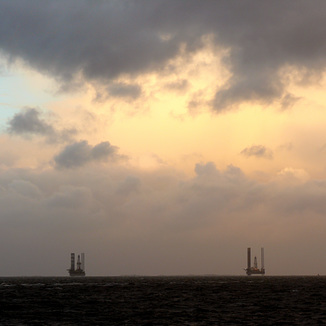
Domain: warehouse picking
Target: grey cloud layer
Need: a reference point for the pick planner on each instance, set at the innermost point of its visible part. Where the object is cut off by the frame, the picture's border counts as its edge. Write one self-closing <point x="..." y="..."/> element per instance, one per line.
<point x="103" y="40"/>
<point x="80" y="153"/>
<point x="156" y="223"/>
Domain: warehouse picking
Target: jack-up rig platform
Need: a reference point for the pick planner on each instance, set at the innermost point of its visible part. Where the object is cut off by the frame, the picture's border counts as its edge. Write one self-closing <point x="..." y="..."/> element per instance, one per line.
<point x="254" y="270"/>
<point x="80" y="270"/>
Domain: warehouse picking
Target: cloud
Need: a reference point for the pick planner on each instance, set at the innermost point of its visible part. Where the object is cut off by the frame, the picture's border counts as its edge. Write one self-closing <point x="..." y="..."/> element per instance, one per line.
<point x="289" y="100"/>
<point x="129" y="185"/>
<point x="157" y="222"/>
<point x="258" y="151"/>
<point x="205" y="169"/>
<point x="25" y="188"/>
<point x="102" y="41"/>
<point x="69" y="197"/>
<point x="118" y="90"/>
<point x="80" y="153"/>
<point x="124" y="90"/>
<point x="29" y="122"/>
<point x="286" y="147"/>
<point x="178" y="86"/>
<point x="292" y="175"/>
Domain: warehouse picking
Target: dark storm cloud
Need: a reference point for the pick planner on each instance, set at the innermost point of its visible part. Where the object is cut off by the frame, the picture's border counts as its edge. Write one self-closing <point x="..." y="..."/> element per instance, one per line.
<point x="30" y="122"/>
<point x="257" y="151"/>
<point x="80" y="153"/>
<point x="102" y="40"/>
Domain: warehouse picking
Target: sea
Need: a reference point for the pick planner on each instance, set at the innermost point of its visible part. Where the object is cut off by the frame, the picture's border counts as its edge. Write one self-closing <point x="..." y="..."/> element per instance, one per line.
<point x="162" y="300"/>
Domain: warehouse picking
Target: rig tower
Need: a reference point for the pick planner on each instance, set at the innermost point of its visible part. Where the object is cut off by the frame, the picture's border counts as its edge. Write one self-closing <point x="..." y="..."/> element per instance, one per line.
<point x="250" y="270"/>
<point x="80" y="270"/>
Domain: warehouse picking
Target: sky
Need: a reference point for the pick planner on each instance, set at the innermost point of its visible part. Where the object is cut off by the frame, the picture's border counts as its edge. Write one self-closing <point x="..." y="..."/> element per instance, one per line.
<point x="162" y="137"/>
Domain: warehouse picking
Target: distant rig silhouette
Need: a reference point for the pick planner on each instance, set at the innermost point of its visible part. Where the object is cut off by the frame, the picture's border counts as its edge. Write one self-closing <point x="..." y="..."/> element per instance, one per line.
<point x="254" y="270"/>
<point x="80" y="270"/>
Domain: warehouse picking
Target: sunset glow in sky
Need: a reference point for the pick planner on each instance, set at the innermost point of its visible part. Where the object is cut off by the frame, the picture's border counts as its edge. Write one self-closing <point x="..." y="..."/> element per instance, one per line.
<point x="162" y="137"/>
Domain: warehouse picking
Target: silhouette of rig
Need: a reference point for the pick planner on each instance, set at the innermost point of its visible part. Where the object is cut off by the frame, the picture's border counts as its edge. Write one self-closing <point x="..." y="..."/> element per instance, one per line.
<point x="80" y="270"/>
<point x="254" y="270"/>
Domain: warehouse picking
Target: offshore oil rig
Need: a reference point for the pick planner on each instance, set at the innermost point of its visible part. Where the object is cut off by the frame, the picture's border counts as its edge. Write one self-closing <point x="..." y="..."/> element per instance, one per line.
<point x="80" y="270"/>
<point x="250" y="270"/>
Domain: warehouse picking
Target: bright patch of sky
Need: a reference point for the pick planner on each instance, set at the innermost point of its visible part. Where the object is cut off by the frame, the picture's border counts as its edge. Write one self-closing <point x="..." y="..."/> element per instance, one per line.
<point x="20" y="88"/>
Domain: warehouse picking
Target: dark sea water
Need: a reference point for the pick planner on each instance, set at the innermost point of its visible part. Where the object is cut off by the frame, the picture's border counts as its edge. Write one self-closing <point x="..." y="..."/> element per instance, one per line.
<point x="207" y="300"/>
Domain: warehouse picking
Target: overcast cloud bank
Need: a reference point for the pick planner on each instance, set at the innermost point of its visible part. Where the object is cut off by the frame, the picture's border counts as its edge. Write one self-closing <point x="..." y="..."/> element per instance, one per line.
<point x="98" y="42"/>
<point x="121" y="211"/>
